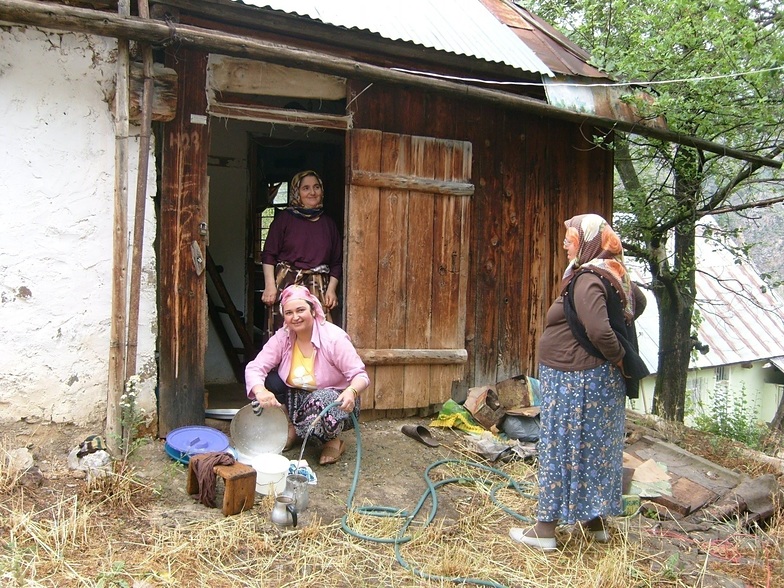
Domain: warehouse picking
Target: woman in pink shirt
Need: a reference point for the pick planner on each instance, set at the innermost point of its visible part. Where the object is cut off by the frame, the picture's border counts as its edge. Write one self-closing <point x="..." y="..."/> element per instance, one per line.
<point x="308" y="364"/>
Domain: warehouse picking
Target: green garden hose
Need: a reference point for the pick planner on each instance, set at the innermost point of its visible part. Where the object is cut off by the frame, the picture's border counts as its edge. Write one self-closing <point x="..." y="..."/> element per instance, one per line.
<point x="430" y="493"/>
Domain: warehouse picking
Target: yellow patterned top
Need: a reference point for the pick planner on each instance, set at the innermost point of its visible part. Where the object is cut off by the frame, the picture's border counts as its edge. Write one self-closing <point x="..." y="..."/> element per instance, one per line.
<point x="301" y="374"/>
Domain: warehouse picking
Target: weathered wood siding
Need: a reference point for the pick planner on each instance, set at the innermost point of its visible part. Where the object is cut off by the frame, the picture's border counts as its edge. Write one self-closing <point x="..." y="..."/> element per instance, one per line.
<point x="530" y="174"/>
<point x="182" y="304"/>
<point x="407" y="255"/>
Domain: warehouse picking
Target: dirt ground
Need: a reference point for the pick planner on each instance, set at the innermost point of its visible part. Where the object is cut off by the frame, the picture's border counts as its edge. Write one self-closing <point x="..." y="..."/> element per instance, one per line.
<point x="391" y="474"/>
<point x="392" y="468"/>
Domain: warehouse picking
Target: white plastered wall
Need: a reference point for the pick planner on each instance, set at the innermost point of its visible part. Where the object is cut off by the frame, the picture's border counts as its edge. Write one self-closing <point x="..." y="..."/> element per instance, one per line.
<point x="57" y="175"/>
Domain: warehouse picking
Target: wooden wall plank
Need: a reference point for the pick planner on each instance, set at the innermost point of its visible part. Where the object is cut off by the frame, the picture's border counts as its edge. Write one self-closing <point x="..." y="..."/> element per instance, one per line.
<point x="424" y="156"/>
<point x="539" y="242"/>
<point x="485" y="246"/>
<point x="393" y="252"/>
<point x="361" y="250"/>
<point x="514" y="265"/>
<point x="450" y="261"/>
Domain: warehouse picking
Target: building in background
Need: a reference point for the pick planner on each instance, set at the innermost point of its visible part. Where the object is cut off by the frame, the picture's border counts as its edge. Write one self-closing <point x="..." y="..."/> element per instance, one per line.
<point x="739" y="343"/>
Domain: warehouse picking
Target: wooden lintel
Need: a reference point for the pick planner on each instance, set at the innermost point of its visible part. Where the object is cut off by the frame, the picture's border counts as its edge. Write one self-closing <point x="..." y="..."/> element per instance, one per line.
<point x="279" y="115"/>
<point x="387" y="180"/>
<point x="413" y="356"/>
<point x="164" y="100"/>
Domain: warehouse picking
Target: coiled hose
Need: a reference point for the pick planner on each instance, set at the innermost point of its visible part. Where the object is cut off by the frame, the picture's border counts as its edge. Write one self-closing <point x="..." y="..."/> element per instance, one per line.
<point x="430" y="493"/>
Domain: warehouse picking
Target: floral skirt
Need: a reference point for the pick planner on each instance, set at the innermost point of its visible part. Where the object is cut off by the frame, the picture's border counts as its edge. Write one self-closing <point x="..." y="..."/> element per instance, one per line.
<point x="304" y="406"/>
<point x="581" y="443"/>
<point x="315" y="280"/>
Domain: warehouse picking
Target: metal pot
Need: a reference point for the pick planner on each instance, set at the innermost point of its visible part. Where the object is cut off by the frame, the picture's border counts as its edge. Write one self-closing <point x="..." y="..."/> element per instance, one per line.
<point x="283" y="512"/>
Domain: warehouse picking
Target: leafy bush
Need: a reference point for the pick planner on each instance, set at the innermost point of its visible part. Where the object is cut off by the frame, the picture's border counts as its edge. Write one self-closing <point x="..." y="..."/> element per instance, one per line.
<point x="731" y="417"/>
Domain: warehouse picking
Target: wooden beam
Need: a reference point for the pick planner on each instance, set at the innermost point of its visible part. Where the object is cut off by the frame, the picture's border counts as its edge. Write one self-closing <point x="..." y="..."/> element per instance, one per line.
<point x="280" y="115"/>
<point x="413" y="356"/>
<point x="399" y="182"/>
<point x="164" y="94"/>
<point x="59" y="17"/>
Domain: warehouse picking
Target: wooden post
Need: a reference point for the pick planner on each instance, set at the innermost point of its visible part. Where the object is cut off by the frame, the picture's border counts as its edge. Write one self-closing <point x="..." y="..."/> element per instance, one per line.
<point x="120" y="246"/>
<point x="141" y="197"/>
<point x="182" y="316"/>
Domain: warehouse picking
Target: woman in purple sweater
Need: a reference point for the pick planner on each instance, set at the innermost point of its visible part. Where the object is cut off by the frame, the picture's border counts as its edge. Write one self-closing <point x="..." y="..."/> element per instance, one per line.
<point x="303" y="246"/>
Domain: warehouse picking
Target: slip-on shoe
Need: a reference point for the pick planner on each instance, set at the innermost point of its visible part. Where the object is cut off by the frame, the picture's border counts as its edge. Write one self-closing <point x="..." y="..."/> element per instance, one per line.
<point x="542" y="543"/>
<point x="421" y="434"/>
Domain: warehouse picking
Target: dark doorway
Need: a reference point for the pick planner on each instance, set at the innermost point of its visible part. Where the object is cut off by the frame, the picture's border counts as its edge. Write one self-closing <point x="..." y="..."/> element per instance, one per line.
<point x="273" y="162"/>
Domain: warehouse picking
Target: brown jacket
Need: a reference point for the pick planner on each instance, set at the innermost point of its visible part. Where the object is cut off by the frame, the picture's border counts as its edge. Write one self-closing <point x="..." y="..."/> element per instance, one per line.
<point x="560" y="350"/>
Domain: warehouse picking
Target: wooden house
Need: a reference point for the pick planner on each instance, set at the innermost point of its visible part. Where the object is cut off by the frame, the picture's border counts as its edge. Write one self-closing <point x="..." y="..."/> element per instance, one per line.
<point x="453" y="139"/>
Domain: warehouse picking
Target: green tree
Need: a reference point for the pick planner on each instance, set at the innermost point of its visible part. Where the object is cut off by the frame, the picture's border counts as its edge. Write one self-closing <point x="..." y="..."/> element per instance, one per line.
<point x="714" y="69"/>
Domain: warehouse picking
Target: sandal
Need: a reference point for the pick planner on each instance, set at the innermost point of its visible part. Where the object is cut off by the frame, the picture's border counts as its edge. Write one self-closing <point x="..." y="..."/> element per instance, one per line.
<point x="331" y="454"/>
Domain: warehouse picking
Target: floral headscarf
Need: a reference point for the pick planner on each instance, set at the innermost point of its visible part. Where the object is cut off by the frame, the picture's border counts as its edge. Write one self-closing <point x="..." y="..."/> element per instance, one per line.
<point x="599" y="250"/>
<point x="296" y="292"/>
<point x="295" y="203"/>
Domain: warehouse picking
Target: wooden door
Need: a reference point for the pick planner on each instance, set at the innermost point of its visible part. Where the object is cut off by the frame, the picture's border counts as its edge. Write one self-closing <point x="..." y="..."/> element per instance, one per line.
<point x="407" y="248"/>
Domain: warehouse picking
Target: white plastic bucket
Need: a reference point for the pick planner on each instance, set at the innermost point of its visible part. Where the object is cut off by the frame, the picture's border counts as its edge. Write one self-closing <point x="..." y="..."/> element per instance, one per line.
<point x="271" y="471"/>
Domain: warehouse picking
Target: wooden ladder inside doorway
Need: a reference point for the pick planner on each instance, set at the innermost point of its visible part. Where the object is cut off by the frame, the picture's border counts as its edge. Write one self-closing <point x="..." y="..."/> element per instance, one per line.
<point x="237" y="356"/>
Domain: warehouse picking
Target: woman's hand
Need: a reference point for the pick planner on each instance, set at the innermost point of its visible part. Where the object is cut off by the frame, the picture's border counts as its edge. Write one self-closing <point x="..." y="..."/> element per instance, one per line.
<point x="348" y="399"/>
<point x="330" y="300"/>
<point x="264" y="397"/>
<point x="269" y="295"/>
<point x="619" y="365"/>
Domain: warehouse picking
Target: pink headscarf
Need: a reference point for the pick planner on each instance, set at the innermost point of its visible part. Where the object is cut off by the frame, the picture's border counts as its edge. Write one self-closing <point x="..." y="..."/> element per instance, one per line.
<point x="295" y="292"/>
<point x="599" y="249"/>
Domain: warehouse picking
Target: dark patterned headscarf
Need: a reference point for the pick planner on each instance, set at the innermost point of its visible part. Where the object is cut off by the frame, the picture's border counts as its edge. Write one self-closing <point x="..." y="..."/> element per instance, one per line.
<point x="295" y="202"/>
<point x="599" y="250"/>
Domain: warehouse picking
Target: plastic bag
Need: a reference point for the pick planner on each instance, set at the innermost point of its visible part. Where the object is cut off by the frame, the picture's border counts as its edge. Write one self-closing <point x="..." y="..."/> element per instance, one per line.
<point x="522" y="428"/>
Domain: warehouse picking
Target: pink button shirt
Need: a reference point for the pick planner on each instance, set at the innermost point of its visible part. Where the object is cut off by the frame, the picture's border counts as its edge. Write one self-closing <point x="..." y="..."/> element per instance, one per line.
<point x="336" y="363"/>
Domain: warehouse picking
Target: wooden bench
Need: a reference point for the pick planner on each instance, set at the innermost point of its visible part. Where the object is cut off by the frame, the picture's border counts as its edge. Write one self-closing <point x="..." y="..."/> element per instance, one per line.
<point x="239" y="485"/>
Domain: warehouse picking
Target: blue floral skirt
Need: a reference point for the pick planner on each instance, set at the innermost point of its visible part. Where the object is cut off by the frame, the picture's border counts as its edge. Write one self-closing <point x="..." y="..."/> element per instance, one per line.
<point x="581" y="443"/>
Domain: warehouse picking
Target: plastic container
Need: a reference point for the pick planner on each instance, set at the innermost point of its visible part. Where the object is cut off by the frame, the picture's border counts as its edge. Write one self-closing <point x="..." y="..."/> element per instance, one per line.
<point x="186" y="441"/>
<point x="271" y="471"/>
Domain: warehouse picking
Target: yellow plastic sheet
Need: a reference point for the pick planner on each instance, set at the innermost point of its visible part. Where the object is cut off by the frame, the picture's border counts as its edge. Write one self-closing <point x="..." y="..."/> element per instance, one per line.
<point x="454" y="416"/>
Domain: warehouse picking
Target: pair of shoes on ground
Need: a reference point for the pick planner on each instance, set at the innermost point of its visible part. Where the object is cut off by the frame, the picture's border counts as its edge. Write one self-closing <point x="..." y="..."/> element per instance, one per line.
<point x="331" y="454"/>
<point x="548" y="543"/>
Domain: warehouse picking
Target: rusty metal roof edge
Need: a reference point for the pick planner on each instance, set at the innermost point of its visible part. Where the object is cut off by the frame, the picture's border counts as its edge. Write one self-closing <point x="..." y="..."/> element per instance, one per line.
<point x="602" y="99"/>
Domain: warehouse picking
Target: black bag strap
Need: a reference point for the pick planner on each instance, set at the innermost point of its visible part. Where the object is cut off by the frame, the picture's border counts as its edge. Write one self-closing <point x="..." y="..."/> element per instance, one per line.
<point x="633" y="366"/>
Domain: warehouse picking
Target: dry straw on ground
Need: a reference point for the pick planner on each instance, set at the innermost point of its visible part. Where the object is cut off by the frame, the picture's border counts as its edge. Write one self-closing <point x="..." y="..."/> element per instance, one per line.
<point x="99" y="535"/>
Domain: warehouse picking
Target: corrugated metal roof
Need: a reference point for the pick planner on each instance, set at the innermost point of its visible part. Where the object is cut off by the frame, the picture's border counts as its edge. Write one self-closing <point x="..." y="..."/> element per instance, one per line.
<point x="462" y="27"/>
<point x="560" y="54"/>
<point x="742" y="319"/>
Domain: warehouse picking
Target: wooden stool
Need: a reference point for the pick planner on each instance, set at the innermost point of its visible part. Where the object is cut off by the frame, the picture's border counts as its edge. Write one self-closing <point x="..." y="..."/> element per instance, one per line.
<point x="239" y="485"/>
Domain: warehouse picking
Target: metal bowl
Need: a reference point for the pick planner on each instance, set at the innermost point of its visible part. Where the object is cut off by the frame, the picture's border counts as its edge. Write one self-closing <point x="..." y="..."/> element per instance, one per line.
<point x="253" y="435"/>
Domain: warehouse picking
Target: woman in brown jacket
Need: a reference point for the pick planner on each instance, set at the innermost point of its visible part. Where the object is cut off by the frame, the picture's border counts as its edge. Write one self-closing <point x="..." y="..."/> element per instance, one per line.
<point x="586" y="353"/>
